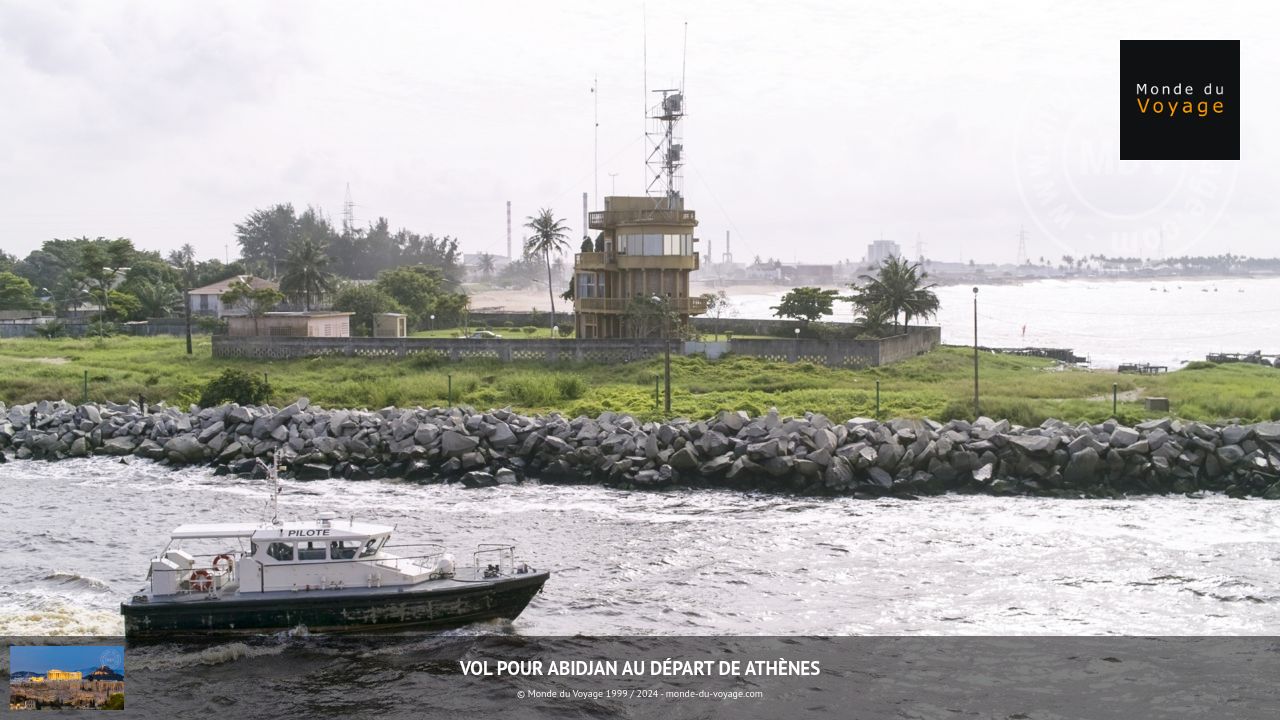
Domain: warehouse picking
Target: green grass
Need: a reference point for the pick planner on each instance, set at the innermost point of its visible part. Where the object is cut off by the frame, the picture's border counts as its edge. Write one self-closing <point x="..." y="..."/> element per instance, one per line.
<point x="937" y="385"/>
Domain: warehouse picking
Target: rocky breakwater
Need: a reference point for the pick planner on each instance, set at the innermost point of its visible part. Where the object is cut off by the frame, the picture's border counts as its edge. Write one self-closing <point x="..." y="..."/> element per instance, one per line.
<point x="809" y="454"/>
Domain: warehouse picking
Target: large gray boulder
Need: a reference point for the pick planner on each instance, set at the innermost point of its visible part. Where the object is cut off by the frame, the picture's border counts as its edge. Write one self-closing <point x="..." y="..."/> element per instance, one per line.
<point x="184" y="448"/>
<point x="454" y="443"/>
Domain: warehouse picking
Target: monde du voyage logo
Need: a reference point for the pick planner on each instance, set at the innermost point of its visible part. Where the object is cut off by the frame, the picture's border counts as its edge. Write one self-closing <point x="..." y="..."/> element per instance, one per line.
<point x="1179" y="99"/>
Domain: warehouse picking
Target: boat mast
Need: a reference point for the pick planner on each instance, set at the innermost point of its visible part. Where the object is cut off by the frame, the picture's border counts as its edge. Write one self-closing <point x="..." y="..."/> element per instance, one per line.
<point x="274" y="475"/>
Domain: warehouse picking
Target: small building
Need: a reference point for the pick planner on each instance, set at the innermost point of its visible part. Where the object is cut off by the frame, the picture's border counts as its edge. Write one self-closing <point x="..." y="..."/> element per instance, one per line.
<point x="62" y="675"/>
<point x="394" y="325"/>
<point x="207" y="300"/>
<point x="292" y="324"/>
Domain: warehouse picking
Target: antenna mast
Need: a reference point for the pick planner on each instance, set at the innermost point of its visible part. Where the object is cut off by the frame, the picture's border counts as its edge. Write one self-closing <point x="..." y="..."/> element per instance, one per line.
<point x="1022" y="246"/>
<point x="595" y="96"/>
<point x="348" y="213"/>
<point x="666" y="144"/>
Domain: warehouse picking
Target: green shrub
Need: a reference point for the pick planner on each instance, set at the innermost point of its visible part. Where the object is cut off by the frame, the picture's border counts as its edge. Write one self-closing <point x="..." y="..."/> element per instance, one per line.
<point x="236" y="386"/>
<point x="50" y="330"/>
<point x="211" y="325"/>
<point x="570" y="387"/>
<point x="101" y="328"/>
<point x="1200" y="365"/>
<point x="528" y="330"/>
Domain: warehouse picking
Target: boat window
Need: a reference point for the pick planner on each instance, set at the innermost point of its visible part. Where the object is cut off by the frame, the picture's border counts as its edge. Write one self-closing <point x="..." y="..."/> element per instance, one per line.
<point x="311" y="552"/>
<point x="343" y="549"/>
<point x="280" y="551"/>
<point x="371" y="547"/>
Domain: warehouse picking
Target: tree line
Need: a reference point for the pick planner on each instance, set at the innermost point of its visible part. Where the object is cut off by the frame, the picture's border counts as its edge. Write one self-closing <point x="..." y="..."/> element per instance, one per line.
<point x="898" y="290"/>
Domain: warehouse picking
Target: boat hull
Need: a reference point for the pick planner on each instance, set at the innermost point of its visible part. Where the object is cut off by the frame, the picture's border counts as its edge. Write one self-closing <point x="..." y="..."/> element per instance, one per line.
<point x="432" y="606"/>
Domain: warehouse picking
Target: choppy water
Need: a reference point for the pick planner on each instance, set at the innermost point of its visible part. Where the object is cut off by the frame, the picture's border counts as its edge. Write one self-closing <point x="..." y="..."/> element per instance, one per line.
<point x="78" y="534"/>
<point x="1163" y="322"/>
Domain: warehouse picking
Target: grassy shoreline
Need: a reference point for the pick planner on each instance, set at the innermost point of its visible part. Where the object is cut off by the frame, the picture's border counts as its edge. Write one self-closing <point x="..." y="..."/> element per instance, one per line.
<point x="937" y="385"/>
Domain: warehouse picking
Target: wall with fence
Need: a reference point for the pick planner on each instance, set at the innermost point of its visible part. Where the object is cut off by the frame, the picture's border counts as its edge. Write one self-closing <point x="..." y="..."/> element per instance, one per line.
<point x="836" y="353"/>
<point x="79" y="329"/>
<point x="280" y="348"/>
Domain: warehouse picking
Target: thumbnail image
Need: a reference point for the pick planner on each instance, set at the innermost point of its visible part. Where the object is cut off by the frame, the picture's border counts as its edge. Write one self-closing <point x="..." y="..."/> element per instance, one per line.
<point x="49" y="677"/>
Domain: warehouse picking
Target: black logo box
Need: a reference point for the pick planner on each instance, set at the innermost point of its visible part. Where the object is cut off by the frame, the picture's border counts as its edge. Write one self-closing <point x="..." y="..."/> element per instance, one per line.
<point x="1189" y="65"/>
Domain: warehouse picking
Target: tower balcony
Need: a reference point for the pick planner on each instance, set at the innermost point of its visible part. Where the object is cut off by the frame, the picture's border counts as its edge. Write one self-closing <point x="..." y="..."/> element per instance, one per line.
<point x="615" y="261"/>
<point x="680" y="305"/>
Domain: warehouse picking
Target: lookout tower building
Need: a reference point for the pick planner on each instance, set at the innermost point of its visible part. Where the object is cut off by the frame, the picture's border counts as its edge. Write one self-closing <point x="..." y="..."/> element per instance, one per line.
<point x="644" y="252"/>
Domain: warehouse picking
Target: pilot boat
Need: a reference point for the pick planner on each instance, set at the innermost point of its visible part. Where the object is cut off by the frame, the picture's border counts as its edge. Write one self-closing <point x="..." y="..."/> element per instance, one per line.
<point x="327" y="574"/>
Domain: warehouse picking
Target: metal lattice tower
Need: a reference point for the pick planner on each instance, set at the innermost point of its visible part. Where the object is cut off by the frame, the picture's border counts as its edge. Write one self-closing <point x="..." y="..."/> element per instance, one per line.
<point x="1022" y="246"/>
<point x="666" y="148"/>
<point x="348" y="213"/>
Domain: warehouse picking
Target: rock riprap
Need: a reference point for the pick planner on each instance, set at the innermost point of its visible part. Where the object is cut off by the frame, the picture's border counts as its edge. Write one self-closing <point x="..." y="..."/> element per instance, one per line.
<point x="810" y="454"/>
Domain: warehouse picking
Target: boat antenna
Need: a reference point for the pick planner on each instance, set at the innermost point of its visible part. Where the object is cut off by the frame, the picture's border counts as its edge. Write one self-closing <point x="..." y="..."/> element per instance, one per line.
<point x="273" y="473"/>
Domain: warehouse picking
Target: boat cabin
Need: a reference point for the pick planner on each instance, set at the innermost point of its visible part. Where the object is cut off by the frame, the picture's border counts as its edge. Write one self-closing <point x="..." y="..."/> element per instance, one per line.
<point x="320" y="554"/>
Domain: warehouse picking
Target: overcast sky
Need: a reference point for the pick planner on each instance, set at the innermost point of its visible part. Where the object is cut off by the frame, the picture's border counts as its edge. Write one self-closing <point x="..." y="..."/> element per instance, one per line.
<point x="813" y="127"/>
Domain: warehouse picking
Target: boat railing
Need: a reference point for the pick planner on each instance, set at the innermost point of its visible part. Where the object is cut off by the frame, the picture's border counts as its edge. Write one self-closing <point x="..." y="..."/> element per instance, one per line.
<point x="199" y="580"/>
<point x="494" y="555"/>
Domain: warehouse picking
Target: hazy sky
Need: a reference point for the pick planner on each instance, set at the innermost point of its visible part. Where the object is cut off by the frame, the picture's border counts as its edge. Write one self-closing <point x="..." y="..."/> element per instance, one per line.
<point x="813" y="127"/>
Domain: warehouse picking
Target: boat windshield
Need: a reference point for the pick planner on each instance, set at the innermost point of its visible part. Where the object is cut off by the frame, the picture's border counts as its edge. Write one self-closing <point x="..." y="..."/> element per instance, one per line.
<point x="372" y="546"/>
<point x="343" y="549"/>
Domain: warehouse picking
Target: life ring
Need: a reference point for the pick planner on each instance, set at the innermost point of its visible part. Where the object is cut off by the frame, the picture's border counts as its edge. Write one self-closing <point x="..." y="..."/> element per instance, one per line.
<point x="230" y="562"/>
<point x="201" y="581"/>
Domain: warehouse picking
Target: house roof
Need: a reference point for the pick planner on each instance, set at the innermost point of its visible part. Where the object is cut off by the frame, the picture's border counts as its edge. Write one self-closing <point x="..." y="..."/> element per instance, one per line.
<point x="222" y="286"/>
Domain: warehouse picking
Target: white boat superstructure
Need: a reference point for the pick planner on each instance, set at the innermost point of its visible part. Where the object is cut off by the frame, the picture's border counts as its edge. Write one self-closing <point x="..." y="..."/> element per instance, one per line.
<point x="324" y="553"/>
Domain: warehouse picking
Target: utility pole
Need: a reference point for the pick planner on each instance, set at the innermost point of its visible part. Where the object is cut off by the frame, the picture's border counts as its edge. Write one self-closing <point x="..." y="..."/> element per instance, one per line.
<point x="509" y="257"/>
<point x="187" y="308"/>
<point x="664" y="304"/>
<point x="976" y="412"/>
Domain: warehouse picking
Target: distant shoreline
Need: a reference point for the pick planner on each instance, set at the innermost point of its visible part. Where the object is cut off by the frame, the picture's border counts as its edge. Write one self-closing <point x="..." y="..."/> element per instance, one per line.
<point x="498" y="300"/>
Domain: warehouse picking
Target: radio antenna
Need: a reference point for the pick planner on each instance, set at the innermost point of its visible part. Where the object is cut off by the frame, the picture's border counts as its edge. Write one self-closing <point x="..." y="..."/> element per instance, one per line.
<point x="684" y="55"/>
<point x="644" y="66"/>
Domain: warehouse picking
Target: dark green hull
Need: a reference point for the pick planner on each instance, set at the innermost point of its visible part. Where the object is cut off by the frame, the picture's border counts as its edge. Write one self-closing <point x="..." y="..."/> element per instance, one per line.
<point x="437" y="605"/>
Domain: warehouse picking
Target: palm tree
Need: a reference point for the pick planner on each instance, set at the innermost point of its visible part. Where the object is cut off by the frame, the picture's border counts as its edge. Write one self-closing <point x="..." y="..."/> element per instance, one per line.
<point x="182" y="257"/>
<point x="159" y="300"/>
<point x="896" y="290"/>
<point x="486" y="264"/>
<point x="549" y="235"/>
<point x="306" y="273"/>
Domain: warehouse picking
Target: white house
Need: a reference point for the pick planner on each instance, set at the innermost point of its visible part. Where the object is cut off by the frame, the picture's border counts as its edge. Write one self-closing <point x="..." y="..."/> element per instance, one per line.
<point x="207" y="300"/>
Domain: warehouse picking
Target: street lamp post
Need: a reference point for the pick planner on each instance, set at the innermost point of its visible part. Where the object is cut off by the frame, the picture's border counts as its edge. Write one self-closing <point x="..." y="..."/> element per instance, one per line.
<point x="433" y="323"/>
<point x="976" y="412"/>
<point x="796" y="347"/>
<point x="666" y="353"/>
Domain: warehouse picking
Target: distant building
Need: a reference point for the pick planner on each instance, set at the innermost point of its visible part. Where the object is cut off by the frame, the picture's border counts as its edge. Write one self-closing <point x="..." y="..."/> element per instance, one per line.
<point x="880" y="250"/>
<point x="809" y="274"/>
<point x="472" y="262"/>
<point x="62" y="675"/>
<point x="390" y="325"/>
<point x="646" y="252"/>
<point x="292" y="324"/>
<point x="770" y="270"/>
<point x="207" y="300"/>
